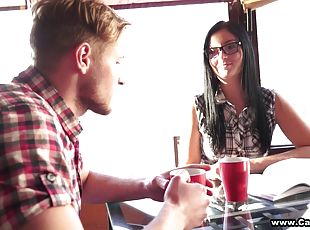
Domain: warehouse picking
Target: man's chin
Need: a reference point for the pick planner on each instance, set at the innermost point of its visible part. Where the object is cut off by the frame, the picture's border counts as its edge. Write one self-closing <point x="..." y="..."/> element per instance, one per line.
<point x="104" y="111"/>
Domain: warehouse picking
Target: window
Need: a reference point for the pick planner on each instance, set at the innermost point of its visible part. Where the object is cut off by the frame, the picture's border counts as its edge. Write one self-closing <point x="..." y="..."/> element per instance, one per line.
<point x="284" y="54"/>
<point x="164" y="71"/>
<point x="14" y="43"/>
<point x="13" y="4"/>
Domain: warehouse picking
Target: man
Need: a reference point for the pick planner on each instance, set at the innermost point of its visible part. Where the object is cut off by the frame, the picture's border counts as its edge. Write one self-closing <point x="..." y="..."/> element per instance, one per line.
<point x="76" y="46"/>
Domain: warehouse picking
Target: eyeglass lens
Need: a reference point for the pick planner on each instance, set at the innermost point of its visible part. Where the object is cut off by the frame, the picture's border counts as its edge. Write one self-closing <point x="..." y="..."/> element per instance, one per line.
<point x="228" y="49"/>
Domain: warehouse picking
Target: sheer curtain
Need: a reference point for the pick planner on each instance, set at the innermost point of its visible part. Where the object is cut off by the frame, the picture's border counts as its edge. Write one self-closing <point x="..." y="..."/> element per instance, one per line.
<point x="283" y="39"/>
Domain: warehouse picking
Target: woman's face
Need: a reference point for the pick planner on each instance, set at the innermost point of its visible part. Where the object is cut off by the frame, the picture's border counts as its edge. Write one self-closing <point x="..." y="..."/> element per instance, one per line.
<point x="225" y="56"/>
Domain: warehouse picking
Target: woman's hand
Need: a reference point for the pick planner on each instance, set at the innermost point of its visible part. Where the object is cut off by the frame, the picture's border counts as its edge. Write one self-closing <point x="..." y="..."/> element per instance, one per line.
<point x="218" y="190"/>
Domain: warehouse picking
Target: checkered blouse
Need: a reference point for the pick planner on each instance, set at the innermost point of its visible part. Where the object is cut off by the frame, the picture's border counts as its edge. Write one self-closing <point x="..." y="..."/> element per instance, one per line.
<point x="240" y="140"/>
<point x="40" y="162"/>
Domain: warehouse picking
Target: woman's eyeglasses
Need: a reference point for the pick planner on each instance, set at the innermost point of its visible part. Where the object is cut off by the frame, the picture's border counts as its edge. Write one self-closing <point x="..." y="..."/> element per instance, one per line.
<point x="228" y="49"/>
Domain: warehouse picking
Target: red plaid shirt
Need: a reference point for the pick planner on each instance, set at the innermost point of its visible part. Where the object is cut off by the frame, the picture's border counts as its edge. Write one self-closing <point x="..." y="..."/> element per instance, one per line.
<point x="40" y="163"/>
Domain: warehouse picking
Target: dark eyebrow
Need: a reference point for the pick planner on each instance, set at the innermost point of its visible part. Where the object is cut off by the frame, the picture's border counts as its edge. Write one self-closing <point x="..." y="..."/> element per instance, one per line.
<point x="224" y="44"/>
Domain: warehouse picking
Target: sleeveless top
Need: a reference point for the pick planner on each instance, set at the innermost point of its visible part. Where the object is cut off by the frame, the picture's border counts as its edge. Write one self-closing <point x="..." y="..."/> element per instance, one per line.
<point x="240" y="139"/>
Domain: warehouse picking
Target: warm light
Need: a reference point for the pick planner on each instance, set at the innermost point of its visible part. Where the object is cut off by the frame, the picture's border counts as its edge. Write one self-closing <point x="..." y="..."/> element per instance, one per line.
<point x="253" y="4"/>
<point x="9" y="3"/>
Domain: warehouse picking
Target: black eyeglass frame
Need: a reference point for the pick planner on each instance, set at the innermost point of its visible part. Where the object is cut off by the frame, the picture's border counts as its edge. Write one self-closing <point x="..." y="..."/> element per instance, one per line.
<point x="222" y="48"/>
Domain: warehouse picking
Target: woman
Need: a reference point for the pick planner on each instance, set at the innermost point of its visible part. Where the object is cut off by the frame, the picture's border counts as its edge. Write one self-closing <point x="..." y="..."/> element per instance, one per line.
<point x="235" y="115"/>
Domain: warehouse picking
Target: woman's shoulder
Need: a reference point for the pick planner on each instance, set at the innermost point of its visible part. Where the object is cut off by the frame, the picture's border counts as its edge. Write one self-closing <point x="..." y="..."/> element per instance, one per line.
<point x="266" y="92"/>
<point x="199" y="96"/>
<point x="269" y="98"/>
<point x="199" y="99"/>
<point x="199" y="102"/>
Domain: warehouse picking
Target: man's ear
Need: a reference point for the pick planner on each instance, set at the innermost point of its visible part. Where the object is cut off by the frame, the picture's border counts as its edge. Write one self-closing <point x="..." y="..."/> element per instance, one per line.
<point x="82" y="56"/>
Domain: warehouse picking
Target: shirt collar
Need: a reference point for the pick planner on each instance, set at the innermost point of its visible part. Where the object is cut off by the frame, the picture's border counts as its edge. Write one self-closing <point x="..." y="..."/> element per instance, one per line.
<point x="34" y="80"/>
<point x="219" y="96"/>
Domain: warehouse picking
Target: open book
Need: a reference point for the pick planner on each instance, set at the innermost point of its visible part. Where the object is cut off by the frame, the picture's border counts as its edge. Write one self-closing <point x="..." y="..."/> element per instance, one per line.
<point x="282" y="181"/>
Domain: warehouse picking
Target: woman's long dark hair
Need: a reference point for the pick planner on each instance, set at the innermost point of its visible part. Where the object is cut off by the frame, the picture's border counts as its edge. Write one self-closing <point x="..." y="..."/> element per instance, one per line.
<point x="250" y="84"/>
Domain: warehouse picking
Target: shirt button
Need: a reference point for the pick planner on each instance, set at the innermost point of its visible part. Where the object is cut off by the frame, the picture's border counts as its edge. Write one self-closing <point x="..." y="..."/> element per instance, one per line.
<point x="51" y="177"/>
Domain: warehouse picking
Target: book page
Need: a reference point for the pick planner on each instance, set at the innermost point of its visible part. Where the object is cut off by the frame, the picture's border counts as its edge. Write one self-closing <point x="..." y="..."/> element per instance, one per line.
<point x="147" y="206"/>
<point x="260" y="187"/>
<point x="279" y="177"/>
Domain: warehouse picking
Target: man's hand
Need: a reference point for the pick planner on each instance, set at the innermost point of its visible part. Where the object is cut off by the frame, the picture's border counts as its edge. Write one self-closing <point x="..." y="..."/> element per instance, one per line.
<point x="157" y="186"/>
<point x="189" y="199"/>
